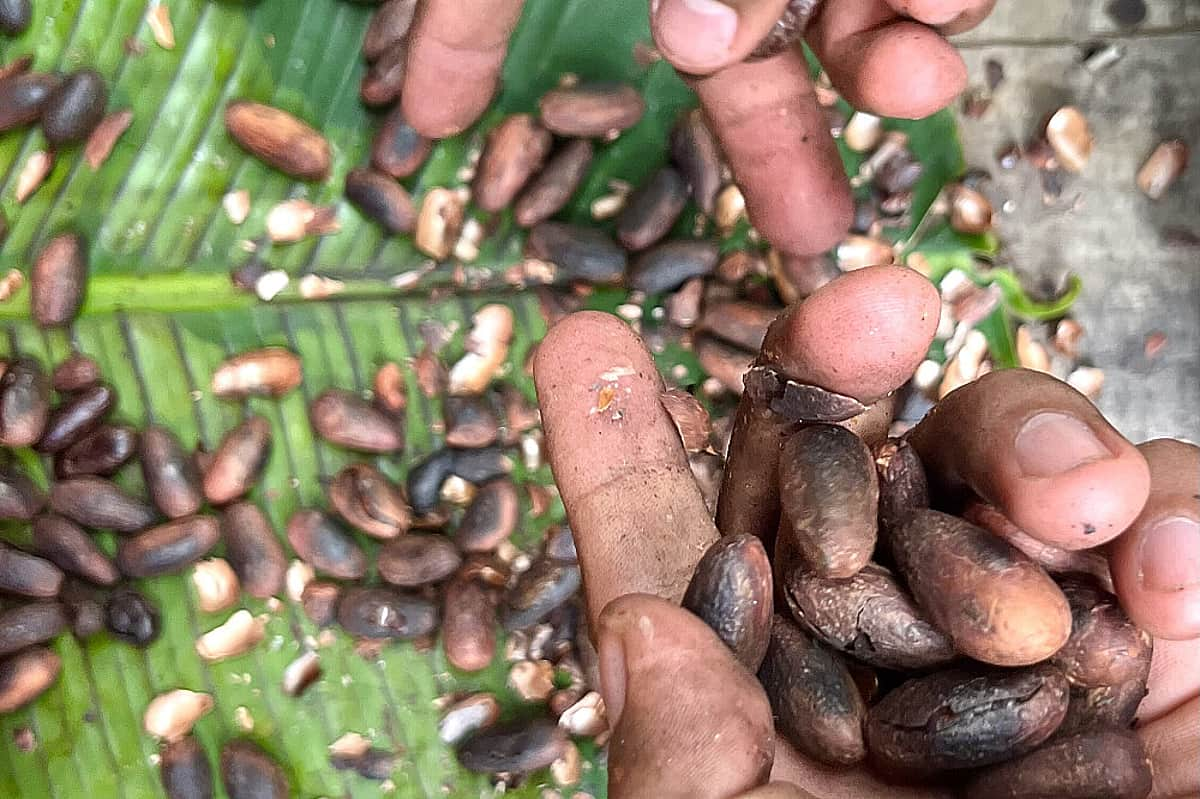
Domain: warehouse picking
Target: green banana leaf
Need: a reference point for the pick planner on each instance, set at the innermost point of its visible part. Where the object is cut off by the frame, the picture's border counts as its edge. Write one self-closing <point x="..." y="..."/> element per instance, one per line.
<point x="161" y="313"/>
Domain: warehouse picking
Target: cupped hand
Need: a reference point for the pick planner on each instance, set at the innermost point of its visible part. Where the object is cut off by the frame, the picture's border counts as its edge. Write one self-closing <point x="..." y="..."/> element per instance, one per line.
<point x="689" y="721"/>
<point x="888" y="57"/>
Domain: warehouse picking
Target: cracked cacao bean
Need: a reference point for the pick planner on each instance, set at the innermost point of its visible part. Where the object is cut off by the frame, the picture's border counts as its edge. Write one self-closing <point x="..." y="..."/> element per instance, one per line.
<point x="369" y="501"/>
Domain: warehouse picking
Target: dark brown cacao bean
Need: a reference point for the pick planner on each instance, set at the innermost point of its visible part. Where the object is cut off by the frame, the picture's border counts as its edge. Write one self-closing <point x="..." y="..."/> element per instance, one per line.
<point x="965" y="718"/>
<point x="591" y="110"/>
<point x="417" y="559"/>
<point x="62" y="542"/>
<point x="731" y="591"/>
<point x="470" y="422"/>
<point x="552" y="188"/>
<point x="102" y="451"/>
<point x="1106" y="764"/>
<point x="23" y="97"/>
<point x="398" y="150"/>
<point x="560" y="545"/>
<point x="580" y="253"/>
<point x="1105" y="647"/>
<point x="168" y="548"/>
<point x="24" y="403"/>
<point x="490" y="518"/>
<point x="171" y="475"/>
<point x="382" y="199"/>
<point x="996" y="604"/>
<point x="248" y="772"/>
<point x="99" y="503"/>
<point x="739" y="322"/>
<point x="57" y="281"/>
<point x="185" y="771"/>
<point x="368" y="500"/>
<point x="346" y="419"/>
<point x="652" y="210"/>
<point x="515" y="150"/>
<point x="20" y="497"/>
<point x="279" y="139"/>
<point x="238" y="461"/>
<point x="514" y="749"/>
<point x="830" y="495"/>
<point x="669" y="265"/>
<point x="480" y="465"/>
<point x="695" y="151"/>
<point x="384" y="613"/>
<point x="538" y="592"/>
<point x="75" y="108"/>
<point x="1105" y="706"/>
<point x="26" y="625"/>
<point x="15" y="16"/>
<point x="425" y="480"/>
<point x="868" y="616"/>
<point x="80" y="414"/>
<point x="385" y="78"/>
<point x="816" y="704"/>
<point x="25" y="676"/>
<point x="28" y="575"/>
<point x="321" y="542"/>
<point x="131" y="617"/>
<point x="903" y="487"/>
<point x="389" y="24"/>
<point x="468" y="626"/>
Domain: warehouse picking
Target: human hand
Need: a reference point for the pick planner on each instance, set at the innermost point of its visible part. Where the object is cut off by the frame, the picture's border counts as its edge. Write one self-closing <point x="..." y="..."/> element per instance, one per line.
<point x="884" y="56"/>
<point x="688" y="720"/>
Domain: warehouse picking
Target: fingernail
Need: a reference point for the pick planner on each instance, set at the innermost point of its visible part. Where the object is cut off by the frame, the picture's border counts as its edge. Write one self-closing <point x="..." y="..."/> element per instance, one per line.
<point x="1170" y="555"/>
<point x="611" y="653"/>
<point x="1052" y="443"/>
<point x="694" y="33"/>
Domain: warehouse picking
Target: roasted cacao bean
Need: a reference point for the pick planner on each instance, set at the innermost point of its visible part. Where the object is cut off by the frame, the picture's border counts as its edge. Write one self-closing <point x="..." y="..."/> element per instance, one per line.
<point x="418" y="559"/>
<point x="131" y="617"/>
<point x="374" y="764"/>
<point x="382" y="199"/>
<point x="731" y="591"/>
<point x="102" y="451"/>
<point x="996" y="604"/>
<point x="79" y="415"/>
<point x="248" y="772"/>
<point x="279" y="139"/>
<point x="398" y="150"/>
<point x="695" y="151"/>
<point x="468" y="626"/>
<point x="1105" y="647"/>
<point x="816" y="704"/>
<point x="903" y="487"/>
<point x="63" y="543"/>
<point x="480" y="465"/>
<point x="320" y="600"/>
<point x="514" y="749"/>
<point x="545" y="586"/>
<point x="470" y="422"/>
<point x="321" y="542"/>
<point x="343" y="418"/>
<point x="26" y="625"/>
<point x="268" y="372"/>
<point x="560" y="545"/>
<point x="25" y="676"/>
<point x="580" y="253"/>
<point x="384" y="613"/>
<point x="368" y="500"/>
<point x="425" y="480"/>
<point x="185" y="771"/>
<point x="669" y="265"/>
<point x="28" y="575"/>
<point x="23" y="97"/>
<point x="1105" y="706"/>
<point x="24" y="403"/>
<point x="15" y="16"/>
<point x="171" y="475"/>
<point x="898" y="173"/>
<point x="652" y="210"/>
<point x="20" y="497"/>
<point x="868" y="616"/>
<point x="724" y="363"/>
<point x="385" y="78"/>
<point x="515" y="150"/>
<point x="964" y="718"/>
<point x="1104" y="764"/>
<point x="74" y="374"/>
<point x="389" y="24"/>
<point x="238" y="461"/>
<point x="739" y="322"/>
<point x="830" y="498"/>
<point x="58" y="278"/>
<point x="591" y="110"/>
<point x="552" y="188"/>
<point x="490" y="518"/>
<point x="166" y="549"/>
<point x="98" y="503"/>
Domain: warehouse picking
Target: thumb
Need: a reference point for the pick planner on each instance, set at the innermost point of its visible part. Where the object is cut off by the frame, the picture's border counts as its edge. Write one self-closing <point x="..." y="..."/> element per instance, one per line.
<point x="702" y="36"/>
<point x="688" y="720"/>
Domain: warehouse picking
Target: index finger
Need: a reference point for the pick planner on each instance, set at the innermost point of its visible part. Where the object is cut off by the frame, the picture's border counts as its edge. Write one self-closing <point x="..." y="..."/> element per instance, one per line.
<point x="455" y="55"/>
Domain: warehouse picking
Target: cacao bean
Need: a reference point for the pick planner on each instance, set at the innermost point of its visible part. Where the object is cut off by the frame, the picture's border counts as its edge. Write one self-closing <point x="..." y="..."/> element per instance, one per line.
<point x="669" y="265"/>
<point x="320" y="600"/>
<point x="652" y="210"/>
<point x="739" y="322"/>
<point x="79" y="415"/>
<point x="468" y="626"/>
<point x="816" y="704"/>
<point x="382" y="199"/>
<point x="57" y="281"/>
<point x="26" y="625"/>
<point x="470" y="422"/>
<point x="515" y="150"/>
<point x="398" y="149"/>
<point x="238" y="461"/>
<point x="185" y="771"/>
<point x="996" y="604"/>
<point x="99" y="503"/>
<point x="20" y="497"/>
<point x="696" y="153"/>
<point x="514" y="749"/>
<point x="26" y="676"/>
<point x="580" y="253"/>
<point x="63" y="543"/>
<point x="1105" y="647"/>
<point x="267" y="372"/>
<point x="425" y="480"/>
<point x="279" y="139"/>
<point x="28" y="575"/>
<point x="369" y="501"/>
<point x="347" y="420"/>
<point x="247" y="772"/>
<point x="964" y="718"/>
<point x="171" y="475"/>
<point x="490" y="518"/>
<point x="1105" y="706"/>
<point x="102" y="451"/>
<point x="24" y="96"/>
<point x="319" y="541"/>
<point x="24" y="403"/>
<point x="15" y="16"/>
<point x="731" y="591"/>
<point x="552" y="188"/>
<point x="169" y="547"/>
<point x="389" y="24"/>
<point x="903" y="487"/>
<point x="384" y="613"/>
<point x="385" y="78"/>
<point x="538" y="592"/>
<point x="416" y="559"/>
<point x="131" y="617"/>
<point x="1105" y="764"/>
<point x="75" y="108"/>
<point x="478" y="466"/>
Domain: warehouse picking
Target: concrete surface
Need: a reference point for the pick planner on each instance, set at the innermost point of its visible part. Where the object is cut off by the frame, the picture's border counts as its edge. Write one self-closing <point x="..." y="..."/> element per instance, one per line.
<point x="1139" y="278"/>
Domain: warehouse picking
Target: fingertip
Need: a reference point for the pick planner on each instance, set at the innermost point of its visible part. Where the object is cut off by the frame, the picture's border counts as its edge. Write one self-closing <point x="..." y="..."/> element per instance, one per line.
<point x="904" y="70"/>
<point x="700" y="37"/>
<point x="434" y="114"/>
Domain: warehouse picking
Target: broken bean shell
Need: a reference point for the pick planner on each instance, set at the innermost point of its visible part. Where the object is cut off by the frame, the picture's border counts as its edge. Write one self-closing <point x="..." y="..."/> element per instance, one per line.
<point x="172" y="715"/>
<point x="240" y="633"/>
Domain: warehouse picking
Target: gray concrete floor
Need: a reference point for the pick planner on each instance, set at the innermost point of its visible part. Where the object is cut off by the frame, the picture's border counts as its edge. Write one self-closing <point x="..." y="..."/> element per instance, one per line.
<point x="1140" y="259"/>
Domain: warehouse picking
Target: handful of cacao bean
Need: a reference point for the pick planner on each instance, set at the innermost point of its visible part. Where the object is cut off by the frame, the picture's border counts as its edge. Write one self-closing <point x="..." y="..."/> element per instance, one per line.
<point x="919" y="644"/>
